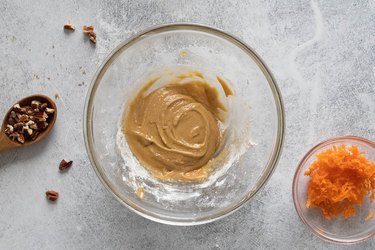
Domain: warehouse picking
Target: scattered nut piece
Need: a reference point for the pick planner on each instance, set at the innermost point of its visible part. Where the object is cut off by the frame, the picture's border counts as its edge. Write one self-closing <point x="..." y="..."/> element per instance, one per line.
<point x="69" y="26"/>
<point x="52" y="195"/>
<point x="92" y="34"/>
<point x="140" y="192"/>
<point x="65" y="165"/>
<point x="183" y="53"/>
<point x="92" y="39"/>
<point x="32" y="125"/>
<point x="42" y="124"/>
<point x="87" y="29"/>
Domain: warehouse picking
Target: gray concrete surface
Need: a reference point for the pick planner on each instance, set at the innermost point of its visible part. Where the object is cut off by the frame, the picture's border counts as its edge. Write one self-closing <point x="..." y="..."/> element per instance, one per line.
<point x="322" y="54"/>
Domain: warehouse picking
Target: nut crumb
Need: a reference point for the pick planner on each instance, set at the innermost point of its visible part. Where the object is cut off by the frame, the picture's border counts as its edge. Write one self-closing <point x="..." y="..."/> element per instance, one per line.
<point x="140" y="192"/>
<point x="69" y="26"/>
<point x="49" y="110"/>
<point x="183" y="53"/>
<point x="57" y="96"/>
<point x="89" y="30"/>
<point x="52" y="195"/>
<point x="65" y="165"/>
<point x="92" y="39"/>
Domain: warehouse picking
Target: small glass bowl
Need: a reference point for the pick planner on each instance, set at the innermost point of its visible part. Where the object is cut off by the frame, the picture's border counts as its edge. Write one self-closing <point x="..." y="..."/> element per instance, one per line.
<point x="337" y="230"/>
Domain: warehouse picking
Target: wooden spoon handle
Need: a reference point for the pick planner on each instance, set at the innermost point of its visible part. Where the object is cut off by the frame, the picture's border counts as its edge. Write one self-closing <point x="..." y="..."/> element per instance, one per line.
<point x="5" y="143"/>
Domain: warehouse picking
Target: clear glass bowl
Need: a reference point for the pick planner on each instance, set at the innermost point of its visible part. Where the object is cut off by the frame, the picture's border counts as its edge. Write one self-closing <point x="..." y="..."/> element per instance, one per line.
<point x="199" y="47"/>
<point x="338" y="230"/>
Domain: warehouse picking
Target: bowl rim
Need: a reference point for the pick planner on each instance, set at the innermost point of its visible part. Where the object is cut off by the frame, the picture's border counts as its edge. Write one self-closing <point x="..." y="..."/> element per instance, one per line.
<point x="295" y="195"/>
<point x="272" y="160"/>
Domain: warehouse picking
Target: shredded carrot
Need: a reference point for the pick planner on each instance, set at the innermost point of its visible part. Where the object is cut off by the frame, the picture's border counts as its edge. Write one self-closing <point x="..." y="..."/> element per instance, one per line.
<point x="341" y="179"/>
<point x="370" y="215"/>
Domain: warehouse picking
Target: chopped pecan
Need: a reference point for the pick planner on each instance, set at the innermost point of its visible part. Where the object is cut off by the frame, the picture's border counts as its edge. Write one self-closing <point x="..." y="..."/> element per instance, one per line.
<point x="69" y="26"/>
<point x="52" y="195"/>
<point x="65" y="165"/>
<point x="29" y="131"/>
<point x="50" y="111"/>
<point x="18" y="126"/>
<point x="92" y="39"/>
<point x="43" y="106"/>
<point x="35" y="104"/>
<point x="9" y="129"/>
<point x="14" y="136"/>
<point x="87" y="29"/>
<point x="21" y="138"/>
<point x="41" y="116"/>
<point x="92" y="34"/>
<point x="24" y="118"/>
<point x="42" y="124"/>
<point x="11" y="121"/>
<point x="34" y="135"/>
<point x="17" y="107"/>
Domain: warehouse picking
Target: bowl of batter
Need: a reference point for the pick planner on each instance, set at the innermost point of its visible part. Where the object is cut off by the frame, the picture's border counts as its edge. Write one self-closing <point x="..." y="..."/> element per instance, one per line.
<point x="183" y="123"/>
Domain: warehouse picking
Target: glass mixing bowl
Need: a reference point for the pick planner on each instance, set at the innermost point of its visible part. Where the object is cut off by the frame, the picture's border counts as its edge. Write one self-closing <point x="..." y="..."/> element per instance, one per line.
<point x="198" y="47"/>
<point x="338" y="230"/>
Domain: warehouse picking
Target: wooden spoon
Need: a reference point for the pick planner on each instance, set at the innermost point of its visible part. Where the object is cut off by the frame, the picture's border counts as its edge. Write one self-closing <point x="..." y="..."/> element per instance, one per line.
<point x="6" y="143"/>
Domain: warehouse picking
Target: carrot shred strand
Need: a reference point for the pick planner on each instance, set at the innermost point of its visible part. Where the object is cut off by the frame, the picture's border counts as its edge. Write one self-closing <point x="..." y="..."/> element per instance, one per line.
<point x="341" y="179"/>
<point x="370" y="215"/>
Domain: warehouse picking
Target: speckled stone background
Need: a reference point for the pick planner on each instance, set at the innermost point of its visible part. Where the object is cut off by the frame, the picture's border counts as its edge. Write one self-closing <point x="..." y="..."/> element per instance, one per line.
<point x="322" y="54"/>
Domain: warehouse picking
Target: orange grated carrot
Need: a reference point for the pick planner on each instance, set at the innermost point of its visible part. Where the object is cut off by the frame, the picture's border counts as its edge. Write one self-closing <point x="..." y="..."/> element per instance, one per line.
<point x="370" y="215"/>
<point x="341" y="179"/>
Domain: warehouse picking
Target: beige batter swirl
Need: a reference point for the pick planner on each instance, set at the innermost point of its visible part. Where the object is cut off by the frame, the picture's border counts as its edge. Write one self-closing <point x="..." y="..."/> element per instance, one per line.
<point x="174" y="130"/>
